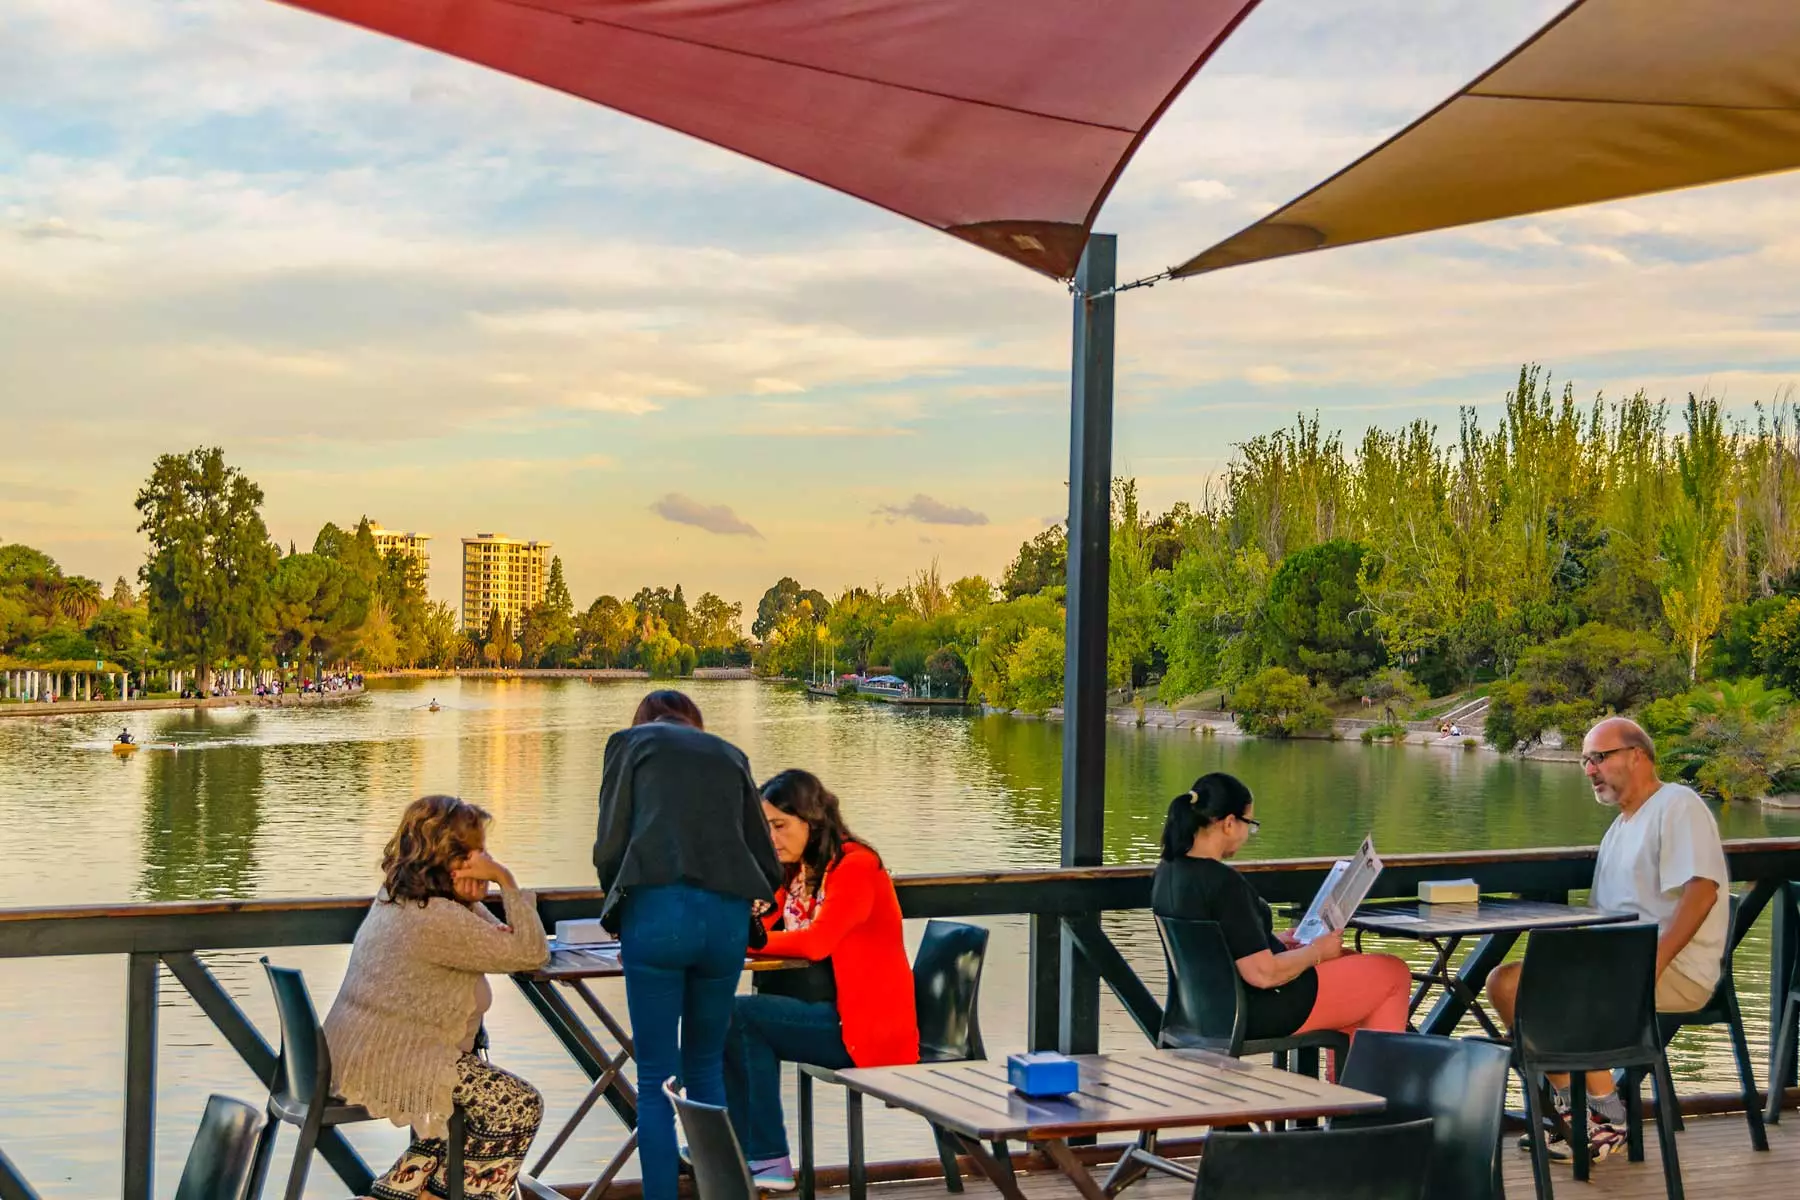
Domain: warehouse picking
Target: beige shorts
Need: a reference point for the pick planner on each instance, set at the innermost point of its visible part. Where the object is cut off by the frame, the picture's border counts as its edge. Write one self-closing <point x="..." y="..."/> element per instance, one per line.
<point x="1676" y="993"/>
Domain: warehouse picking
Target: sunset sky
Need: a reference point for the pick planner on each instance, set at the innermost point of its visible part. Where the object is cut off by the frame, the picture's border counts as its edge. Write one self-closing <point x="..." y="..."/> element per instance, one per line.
<point x="388" y="282"/>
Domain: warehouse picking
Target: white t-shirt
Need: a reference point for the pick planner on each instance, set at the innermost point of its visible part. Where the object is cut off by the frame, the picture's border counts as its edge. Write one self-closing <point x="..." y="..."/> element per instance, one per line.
<point x="1648" y="857"/>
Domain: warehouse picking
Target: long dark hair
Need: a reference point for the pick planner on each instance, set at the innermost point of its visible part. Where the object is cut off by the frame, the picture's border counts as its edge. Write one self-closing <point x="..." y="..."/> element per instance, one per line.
<point x="667" y="704"/>
<point x="435" y="833"/>
<point x="1212" y="798"/>
<point x="800" y="794"/>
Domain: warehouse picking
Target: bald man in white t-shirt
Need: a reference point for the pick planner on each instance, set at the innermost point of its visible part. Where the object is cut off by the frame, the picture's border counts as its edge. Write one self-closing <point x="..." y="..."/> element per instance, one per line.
<point x="1661" y="860"/>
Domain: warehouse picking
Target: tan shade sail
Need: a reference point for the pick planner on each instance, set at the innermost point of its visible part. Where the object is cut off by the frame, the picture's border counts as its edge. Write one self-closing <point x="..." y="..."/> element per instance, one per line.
<point x="1613" y="98"/>
<point x="1001" y="122"/>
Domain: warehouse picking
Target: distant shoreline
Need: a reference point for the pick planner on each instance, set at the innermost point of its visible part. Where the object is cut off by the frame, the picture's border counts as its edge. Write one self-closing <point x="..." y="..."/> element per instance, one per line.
<point x="63" y="708"/>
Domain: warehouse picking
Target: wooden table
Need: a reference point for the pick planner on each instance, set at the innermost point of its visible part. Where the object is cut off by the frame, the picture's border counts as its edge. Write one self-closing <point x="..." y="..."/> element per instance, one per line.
<point x="571" y="967"/>
<point x="1444" y="926"/>
<point x="1139" y="1091"/>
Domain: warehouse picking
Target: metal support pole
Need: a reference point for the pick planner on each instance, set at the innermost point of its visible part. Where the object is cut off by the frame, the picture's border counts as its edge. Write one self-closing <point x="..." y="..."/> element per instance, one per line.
<point x="1784" y="952"/>
<point x="140" y="1077"/>
<point x="1084" y="676"/>
<point x="1043" y="1020"/>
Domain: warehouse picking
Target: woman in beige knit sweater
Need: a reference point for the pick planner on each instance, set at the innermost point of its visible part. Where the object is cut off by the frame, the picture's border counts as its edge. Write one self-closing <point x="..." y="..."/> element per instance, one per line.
<point x="402" y="1031"/>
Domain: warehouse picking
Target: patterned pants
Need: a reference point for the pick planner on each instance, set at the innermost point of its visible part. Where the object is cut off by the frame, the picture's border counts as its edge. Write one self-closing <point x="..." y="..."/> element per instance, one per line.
<point x="502" y="1113"/>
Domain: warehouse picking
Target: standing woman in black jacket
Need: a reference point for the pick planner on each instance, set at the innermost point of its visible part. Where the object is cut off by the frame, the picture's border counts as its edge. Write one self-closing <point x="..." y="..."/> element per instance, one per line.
<point x="683" y="849"/>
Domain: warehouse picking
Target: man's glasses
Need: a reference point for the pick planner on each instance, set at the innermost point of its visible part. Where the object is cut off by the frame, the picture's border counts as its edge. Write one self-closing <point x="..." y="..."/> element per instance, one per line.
<point x="1595" y="758"/>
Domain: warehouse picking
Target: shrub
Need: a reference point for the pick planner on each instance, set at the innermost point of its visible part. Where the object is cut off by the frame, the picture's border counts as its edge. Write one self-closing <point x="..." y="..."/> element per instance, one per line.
<point x="1736" y="741"/>
<point x="1391" y="730"/>
<point x="1278" y="703"/>
<point x="1568" y="683"/>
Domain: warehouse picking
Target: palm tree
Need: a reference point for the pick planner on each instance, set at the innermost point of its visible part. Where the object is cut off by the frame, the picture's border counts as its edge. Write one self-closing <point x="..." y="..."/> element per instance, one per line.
<point x="78" y="598"/>
<point x="1736" y="741"/>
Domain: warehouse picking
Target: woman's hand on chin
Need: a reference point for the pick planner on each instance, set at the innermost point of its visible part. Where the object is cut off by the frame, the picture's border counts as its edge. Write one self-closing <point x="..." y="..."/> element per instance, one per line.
<point x="468" y="889"/>
<point x="481" y="867"/>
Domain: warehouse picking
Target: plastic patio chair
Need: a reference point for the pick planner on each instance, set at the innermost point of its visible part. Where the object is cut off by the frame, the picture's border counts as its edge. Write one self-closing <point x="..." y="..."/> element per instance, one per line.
<point x="222" y="1159"/>
<point x="1586" y="1002"/>
<point x="1380" y="1162"/>
<point x="946" y="997"/>
<point x="1460" y="1084"/>
<point x="300" y="1092"/>
<point x="1721" y="1008"/>
<point x="720" y="1172"/>
<point x="1205" y="1010"/>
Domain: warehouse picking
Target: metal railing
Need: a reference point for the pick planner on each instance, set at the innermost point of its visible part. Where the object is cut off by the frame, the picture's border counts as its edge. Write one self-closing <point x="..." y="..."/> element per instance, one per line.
<point x="1064" y="906"/>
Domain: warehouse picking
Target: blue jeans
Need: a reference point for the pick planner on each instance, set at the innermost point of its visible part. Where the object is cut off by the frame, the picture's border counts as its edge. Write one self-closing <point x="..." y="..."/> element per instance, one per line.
<point x="767" y="1031"/>
<point x="683" y="949"/>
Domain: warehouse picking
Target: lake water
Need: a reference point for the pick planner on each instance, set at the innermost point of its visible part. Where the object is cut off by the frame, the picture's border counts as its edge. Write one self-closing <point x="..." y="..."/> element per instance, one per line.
<point x="298" y="802"/>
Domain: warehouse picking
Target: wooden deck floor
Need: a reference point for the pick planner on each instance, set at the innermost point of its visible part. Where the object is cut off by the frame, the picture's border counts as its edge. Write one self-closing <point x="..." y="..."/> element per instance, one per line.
<point x="1716" y="1164"/>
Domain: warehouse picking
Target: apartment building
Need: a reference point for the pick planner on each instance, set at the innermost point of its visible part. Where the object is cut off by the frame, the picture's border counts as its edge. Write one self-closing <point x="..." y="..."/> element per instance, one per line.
<point x="410" y="544"/>
<point x="503" y="575"/>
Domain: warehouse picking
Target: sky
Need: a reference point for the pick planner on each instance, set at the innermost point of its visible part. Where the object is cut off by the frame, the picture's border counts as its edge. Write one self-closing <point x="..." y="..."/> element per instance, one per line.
<point x="391" y="283"/>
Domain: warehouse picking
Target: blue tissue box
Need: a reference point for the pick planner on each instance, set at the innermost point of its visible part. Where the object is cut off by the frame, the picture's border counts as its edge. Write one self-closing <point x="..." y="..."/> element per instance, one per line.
<point x="1043" y="1073"/>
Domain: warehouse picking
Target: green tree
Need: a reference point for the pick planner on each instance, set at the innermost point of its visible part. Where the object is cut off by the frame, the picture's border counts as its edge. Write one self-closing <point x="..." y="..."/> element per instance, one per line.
<point x="1041" y="563"/>
<point x="210" y="559"/>
<point x="1034" y="669"/>
<point x="1568" y="683"/>
<point x="780" y="601"/>
<point x="308" y="613"/>
<point x="443" y="644"/>
<point x="1693" y="543"/>
<point x="969" y="593"/>
<point x="557" y="616"/>
<point x="1277" y="702"/>
<point x="716" y="628"/>
<point x="1212" y="634"/>
<point x="1315" y="621"/>
<point x="377" y="640"/>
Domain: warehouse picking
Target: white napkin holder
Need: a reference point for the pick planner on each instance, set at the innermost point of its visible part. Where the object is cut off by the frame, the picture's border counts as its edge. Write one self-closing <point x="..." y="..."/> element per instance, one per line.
<point x="587" y="931"/>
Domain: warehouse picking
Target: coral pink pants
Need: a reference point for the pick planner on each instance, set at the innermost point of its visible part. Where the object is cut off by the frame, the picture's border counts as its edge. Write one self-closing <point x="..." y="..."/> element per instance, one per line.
<point x="1361" y="991"/>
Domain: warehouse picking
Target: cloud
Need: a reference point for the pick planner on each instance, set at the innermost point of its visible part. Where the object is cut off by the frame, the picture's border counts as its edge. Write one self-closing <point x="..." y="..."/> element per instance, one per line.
<point x="608" y="402"/>
<point x="1206" y="189"/>
<point x="715" y="518"/>
<point x="28" y="493"/>
<point x="926" y="511"/>
<point x="55" y="229"/>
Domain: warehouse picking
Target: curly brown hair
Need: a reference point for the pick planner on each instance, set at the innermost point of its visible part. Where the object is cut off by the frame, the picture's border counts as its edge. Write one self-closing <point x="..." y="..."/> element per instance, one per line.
<point x="435" y="833"/>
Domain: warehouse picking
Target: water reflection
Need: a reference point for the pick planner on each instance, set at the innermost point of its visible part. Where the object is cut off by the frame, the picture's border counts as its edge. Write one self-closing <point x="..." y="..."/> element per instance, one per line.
<point x="300" y="802"/>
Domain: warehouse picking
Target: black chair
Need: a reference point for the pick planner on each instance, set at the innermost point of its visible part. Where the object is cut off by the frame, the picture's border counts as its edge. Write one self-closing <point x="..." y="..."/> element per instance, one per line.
<point x="946" y="996"/>
<point x="300" y="1092"/>
<point x="1784" y="1044"/>
<point x="1721" y="1008"/>
<point x="720" y="1172"/>
<point x="220" y="1162"/>
<point x="1460" y="1085"/>
<point x="1205" y="1010"/>
<point x="223" y="1157"/>
<point x="1587" y="1002"/>
<point x="1382" y="1162"/>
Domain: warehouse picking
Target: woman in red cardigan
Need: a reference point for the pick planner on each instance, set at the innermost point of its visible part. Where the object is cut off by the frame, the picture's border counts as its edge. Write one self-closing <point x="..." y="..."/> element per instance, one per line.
<point x="852" y="1006"/>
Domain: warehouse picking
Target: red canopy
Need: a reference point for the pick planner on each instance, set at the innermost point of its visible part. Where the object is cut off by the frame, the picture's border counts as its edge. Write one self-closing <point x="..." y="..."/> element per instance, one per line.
<point x="1003" y="122"/>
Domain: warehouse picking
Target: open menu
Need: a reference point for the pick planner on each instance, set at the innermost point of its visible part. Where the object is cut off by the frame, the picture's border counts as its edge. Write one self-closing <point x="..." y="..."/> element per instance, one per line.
<point x="1344" y="888"/>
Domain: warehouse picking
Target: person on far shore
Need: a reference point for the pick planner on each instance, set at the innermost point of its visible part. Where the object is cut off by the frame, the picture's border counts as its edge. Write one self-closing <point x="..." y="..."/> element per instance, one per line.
<point x="1288" y="987"/>
<point x="403" y="1029"/>
<point x="852" y="1006"/>
<point x="682" y="850"/>
<point x="1661" y="860"/>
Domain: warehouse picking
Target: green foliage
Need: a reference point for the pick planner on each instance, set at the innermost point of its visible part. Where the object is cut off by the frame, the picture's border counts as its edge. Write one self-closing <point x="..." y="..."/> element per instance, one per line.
<point x="1777" y="644"/>
<point x="1315" y="621"/>
<point x="996" y="632"/>
<point x="1034" y="669"/>
<point x="1569" y="683"/>
<point x="784" y="600"/>
<point x="207" y="578"/>
<point x="1734" y="653"/>
<point x="1389" y="730"/>
<point x="1277" y="702"/>
<point x="1736" y="741"/>
<point x="1041" y="563"/>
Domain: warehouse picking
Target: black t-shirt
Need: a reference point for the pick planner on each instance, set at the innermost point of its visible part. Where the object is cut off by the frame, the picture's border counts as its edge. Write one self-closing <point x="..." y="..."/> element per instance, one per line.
<point x="1205" y="889"/>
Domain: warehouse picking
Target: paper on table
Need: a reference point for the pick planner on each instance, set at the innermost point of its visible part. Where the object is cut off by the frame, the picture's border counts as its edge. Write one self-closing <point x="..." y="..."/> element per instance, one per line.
<point x="1344" y="888"/>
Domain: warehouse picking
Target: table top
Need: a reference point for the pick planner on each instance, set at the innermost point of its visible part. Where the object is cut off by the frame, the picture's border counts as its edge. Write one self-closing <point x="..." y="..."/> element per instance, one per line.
<point x="1139" y="1090"/>
<point x="600" y="960"/>
<point x="1414" y="919"/>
